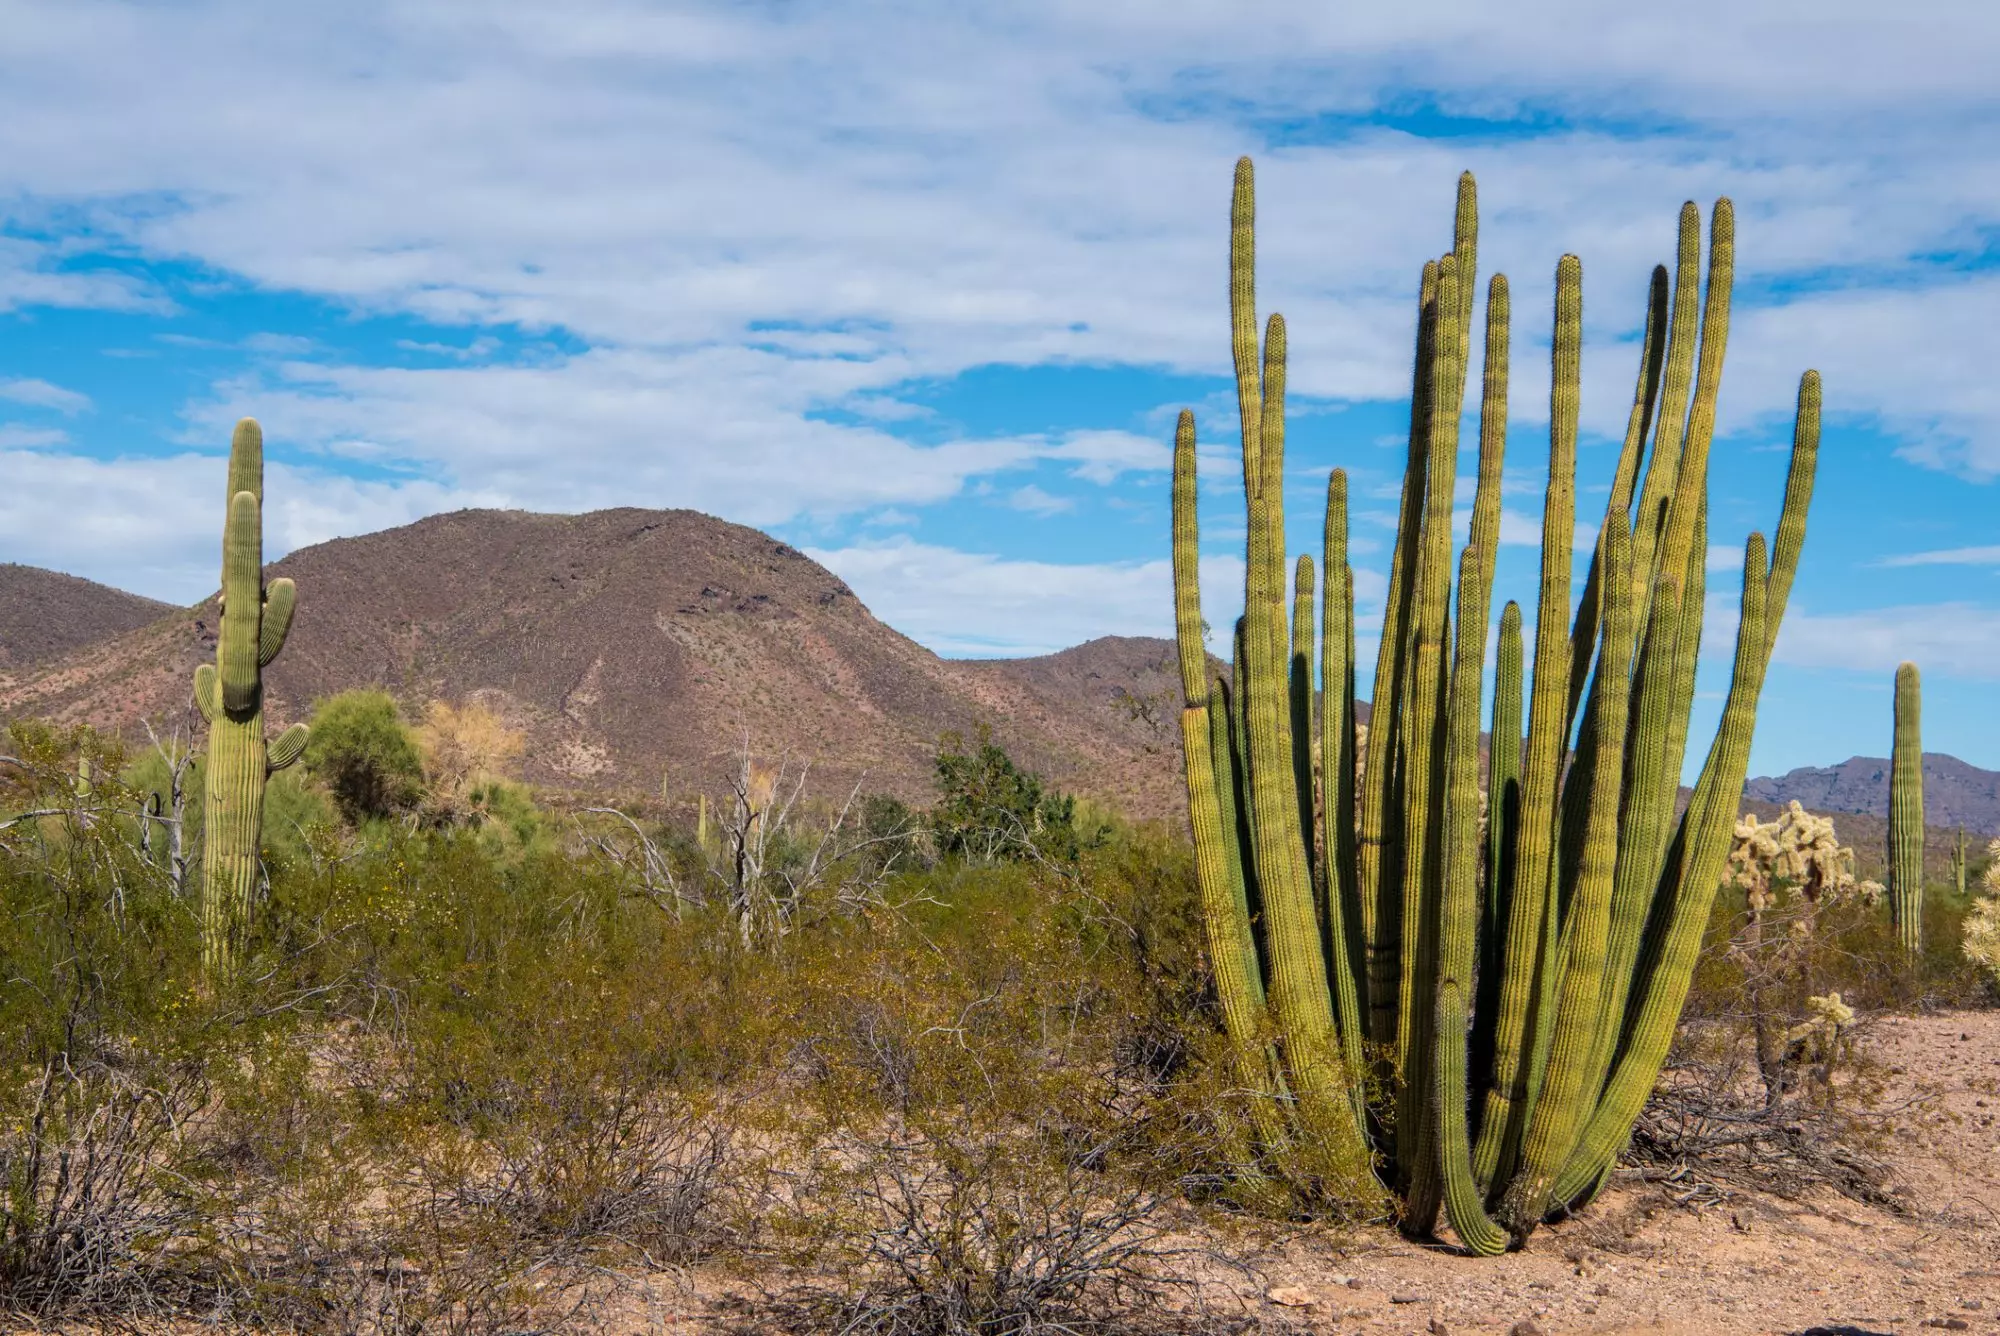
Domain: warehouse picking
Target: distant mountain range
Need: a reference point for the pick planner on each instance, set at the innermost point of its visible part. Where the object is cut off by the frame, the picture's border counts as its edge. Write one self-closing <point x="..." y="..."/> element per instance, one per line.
<point x="639" y="649"/>
<point x="1956" y="795"/>
<point x="636" y="649"/>
<point x="45" y="615"/>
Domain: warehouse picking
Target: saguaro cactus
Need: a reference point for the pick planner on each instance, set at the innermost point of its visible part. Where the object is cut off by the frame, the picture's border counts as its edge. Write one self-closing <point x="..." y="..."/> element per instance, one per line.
<point x="230" y="695"/>
<point x="1350" y="927"/>
<point x="1906" y="812"/>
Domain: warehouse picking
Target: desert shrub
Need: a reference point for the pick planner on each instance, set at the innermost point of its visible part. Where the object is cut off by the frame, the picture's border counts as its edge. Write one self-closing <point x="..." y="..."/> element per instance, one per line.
<point x="989" y="808"/>
<point x="365" y="755"/>
<point x="967" y="1233"/>
<point x="106" y="1047"/>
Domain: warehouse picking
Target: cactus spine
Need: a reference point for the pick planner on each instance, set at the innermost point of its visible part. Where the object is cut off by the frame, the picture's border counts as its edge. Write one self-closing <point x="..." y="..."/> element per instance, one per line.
<point x="1906" y="812"/>
<point x="230" y="695"/>
<point x="1518" y="1012"/>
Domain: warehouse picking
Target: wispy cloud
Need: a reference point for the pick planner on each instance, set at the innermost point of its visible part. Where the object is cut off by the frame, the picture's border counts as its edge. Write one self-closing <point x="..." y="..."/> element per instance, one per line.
<point x="41" y="394"/>
<point x="1951" y="556"/>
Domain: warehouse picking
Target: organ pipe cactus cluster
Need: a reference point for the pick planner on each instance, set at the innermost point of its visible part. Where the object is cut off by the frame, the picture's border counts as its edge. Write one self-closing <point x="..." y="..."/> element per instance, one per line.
<point x="1470" y="1013"/>
<point x="1906" y="812"/>
<point x="230" y="695"/>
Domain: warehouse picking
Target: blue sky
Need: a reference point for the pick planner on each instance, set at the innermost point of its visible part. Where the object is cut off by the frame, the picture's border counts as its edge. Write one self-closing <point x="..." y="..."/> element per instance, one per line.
<point x="920" y="288"/>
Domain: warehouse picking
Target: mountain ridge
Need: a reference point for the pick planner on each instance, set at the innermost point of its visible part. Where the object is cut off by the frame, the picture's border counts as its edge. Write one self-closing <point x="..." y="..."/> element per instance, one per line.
<point x="638" y="649"/>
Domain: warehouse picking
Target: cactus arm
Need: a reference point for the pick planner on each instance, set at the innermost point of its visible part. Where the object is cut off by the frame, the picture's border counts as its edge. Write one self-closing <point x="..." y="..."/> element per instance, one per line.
<point x="1670" y="424"/>
<point x="1583" y="638"/>
<point x="1243" y="316"/>
<point x="1528" y="945"/>
<point x="1210" y="778"/>
<point x="1300" y="675"/>
<point x="1694" y="870"/>
<point x="1458" y="913"/>
<point x="1422" y="803"/>
<point x="1566" y="1097"/>
<point x="1463" y="1206"/>
<point x="1380" y="884"/>
<point x="1503" y="825"/>
<point x="1906" y="812"/>
<point x="286" y="749"/>
<point x="1798" y="499"/>
<point x="1346" y="961"/>
<point x="280" y="598"/>
<point x="207" y="692"/>
<point x="1300" y="998"/>
<point x="242" y="604"/>
<point x="1190" y="637"/>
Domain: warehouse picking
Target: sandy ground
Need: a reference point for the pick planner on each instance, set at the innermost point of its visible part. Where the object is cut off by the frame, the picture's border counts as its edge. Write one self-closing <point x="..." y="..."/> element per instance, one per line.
<point x="1641" y="1260"/>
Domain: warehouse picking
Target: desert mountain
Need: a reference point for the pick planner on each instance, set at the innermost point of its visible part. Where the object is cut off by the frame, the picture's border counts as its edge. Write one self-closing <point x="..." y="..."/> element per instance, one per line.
<point x="45" y="615"/>
<point x="1955" y="794"/>
<point x="631" y="645"/>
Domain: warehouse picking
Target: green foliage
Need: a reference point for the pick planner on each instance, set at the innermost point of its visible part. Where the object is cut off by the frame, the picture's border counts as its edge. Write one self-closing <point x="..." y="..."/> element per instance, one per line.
<point x="988" y="808"/>
<point x="365" y="755"/>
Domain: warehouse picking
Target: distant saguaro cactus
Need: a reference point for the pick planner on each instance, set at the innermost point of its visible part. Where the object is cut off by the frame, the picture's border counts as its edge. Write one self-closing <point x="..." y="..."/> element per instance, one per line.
<point x="230" y="695"/>
<point x="1344" y="933"/>
<point x="1906" y="812"/>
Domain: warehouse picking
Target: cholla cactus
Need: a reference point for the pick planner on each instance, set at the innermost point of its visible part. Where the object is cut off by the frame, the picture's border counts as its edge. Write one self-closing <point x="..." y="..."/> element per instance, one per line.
<point x="1982" y="919"/>
<point x="1799" y="849"/>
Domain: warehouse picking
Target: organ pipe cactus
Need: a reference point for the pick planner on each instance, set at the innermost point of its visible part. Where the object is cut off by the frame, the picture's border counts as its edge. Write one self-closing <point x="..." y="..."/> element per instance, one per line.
<point x="230" y="695"/>
<point x="1906" y="812"/>
<point x="1458" y="1002"/>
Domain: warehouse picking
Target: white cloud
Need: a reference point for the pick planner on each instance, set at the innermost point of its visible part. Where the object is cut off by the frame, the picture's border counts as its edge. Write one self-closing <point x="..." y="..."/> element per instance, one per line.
<point x="1956" y="556"/>
<point x="41" y="394"/>
<point x="154" y="526"/>
<point x="1038" y="502"/>
<point x="964" y="603"/>
<point x="1948" y="638"/>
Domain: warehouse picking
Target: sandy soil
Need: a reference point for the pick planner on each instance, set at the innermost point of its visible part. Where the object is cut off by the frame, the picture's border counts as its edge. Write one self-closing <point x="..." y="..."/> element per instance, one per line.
<point x="1655" y="1258"/>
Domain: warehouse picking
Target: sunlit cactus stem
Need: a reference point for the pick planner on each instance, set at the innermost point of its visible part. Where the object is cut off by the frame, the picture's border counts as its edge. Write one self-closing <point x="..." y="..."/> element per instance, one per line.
<point x="230" y="694"/>
<point x="1482" y="1039"/>
<point x="1906" y="812"/>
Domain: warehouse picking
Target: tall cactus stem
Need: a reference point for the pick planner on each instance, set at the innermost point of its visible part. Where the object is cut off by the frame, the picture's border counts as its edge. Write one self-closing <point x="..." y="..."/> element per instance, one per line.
<point x="1906" y="813"/>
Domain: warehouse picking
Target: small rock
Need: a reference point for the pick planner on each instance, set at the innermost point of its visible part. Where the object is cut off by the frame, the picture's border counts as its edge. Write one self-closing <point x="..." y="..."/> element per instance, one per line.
<point x="1354" y="1282"/>
<point x="1406" y="1298"/>
<point x="1291" y="1296"/>
<point x="1602" y="1290"/>
<point x="1438" y="1328"/>
<point x="1525" y="1328"/>
<point x="1948" y="1323"/>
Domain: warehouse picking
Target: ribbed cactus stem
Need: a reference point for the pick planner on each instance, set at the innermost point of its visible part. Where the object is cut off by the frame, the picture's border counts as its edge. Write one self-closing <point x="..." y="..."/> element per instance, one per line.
<point x="1694" y="870"/>
<point x="1378" y="837"/>
<point x="1530" y="944"/>
<point x="1345" y="954"/>
<point x="230" y="695"/>
<point x="1345" y="923"/>
<point x="1906" y="812"/>
<point x="1458" y="916"/>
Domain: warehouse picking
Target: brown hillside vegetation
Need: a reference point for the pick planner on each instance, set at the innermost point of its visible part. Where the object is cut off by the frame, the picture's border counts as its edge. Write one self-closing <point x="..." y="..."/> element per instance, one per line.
<point x="45" y="615"/>
<point x="631" y="644"/>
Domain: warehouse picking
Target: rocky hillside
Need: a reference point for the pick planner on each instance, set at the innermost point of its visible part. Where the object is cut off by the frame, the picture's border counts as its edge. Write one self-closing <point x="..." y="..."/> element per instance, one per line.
<point x="45" y="615"/>
<point x="1955" y="794"/>
<point x="636" y="646"/>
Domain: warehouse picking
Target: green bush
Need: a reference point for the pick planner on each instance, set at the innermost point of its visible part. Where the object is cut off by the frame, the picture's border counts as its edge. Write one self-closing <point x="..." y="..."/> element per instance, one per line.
<point x="366" y="756"/>
<point x="989" y="808"/>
